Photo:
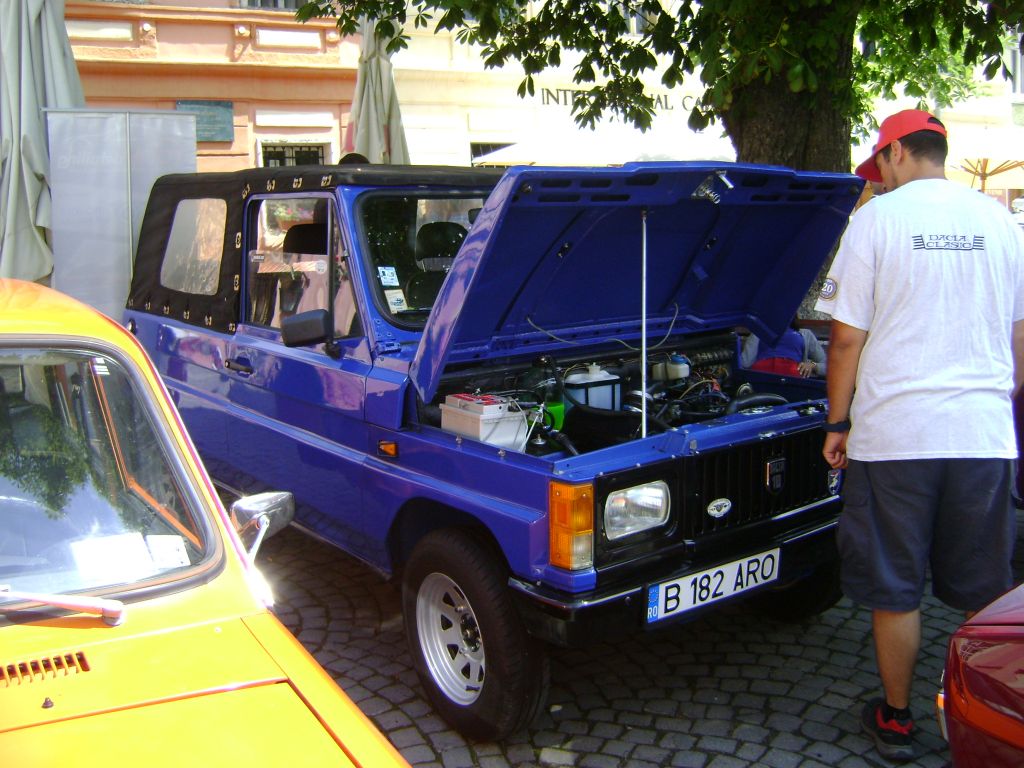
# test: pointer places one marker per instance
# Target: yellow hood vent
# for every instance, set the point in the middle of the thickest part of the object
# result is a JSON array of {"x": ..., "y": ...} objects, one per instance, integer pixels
[{"x": 37, "y": 670}]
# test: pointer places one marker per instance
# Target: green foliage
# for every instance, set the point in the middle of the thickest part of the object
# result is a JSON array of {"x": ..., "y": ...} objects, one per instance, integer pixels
[
  {"x": 52, "y": 470},
  {"x": 928, "y": 51},
  {"x": 925, "y": 48}
]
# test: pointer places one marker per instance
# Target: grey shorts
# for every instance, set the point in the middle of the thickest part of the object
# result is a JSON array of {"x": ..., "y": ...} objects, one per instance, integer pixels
[{"x": 956, "y": 515}]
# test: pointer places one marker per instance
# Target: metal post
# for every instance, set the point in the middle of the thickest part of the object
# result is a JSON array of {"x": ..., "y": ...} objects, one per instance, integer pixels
[{"x": 643, "y": 322}]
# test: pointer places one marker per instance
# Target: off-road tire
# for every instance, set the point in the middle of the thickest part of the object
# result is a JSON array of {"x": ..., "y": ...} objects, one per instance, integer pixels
[{"x": 504, "y": 681}]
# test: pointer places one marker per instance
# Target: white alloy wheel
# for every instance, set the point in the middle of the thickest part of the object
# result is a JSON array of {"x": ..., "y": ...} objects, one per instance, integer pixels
[{"x": 450, "y": 639}]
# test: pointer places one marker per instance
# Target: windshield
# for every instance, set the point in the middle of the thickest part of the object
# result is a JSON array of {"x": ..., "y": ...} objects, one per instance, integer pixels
[
  {"x": 88, "y": 495},
  {"x": 412, "y": 241}
]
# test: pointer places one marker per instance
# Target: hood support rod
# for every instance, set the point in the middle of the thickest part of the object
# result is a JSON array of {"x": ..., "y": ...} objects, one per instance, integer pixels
[{"x": 643, "y": 322}]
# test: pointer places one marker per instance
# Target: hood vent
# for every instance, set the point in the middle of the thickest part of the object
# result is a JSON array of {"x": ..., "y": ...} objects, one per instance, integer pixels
[{"x": 38, "y": 670}]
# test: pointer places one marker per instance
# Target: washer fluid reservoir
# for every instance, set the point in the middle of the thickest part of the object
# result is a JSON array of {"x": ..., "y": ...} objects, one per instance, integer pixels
[{"x": 595, "y": 387}]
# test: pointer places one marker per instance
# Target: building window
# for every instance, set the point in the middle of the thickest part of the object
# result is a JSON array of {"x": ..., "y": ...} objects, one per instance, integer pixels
[
  {"x": 478, "y": 149},
  {"x": 276, "y": 155},
  {"x": 271, "y": 5}
]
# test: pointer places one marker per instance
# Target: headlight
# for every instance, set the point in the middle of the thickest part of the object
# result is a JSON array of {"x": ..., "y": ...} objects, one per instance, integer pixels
[{"x": 636, "y": 509}]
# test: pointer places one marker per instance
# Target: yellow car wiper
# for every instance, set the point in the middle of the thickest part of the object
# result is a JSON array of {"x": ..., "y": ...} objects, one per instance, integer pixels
[{"x": 112, "y": 611}]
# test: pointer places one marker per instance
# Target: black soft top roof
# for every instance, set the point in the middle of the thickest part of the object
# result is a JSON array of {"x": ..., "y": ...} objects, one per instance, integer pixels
[
  {"x": 220, "y": 310},
  {"x": 331, "y": 176}
]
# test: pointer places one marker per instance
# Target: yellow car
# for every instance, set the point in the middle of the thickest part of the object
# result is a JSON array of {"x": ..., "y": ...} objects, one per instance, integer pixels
[{"x": 134, "y": 628}]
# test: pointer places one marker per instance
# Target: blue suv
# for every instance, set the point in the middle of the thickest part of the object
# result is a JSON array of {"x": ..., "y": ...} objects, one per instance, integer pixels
[{"x": 517, "y": 392}]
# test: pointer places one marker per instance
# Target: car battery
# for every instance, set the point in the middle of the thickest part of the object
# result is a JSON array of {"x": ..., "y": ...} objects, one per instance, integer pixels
[{"x": 488, "y": 418}]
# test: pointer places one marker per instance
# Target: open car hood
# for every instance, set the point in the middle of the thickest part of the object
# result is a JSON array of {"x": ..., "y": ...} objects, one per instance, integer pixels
[{"x": 555, "y": 259}]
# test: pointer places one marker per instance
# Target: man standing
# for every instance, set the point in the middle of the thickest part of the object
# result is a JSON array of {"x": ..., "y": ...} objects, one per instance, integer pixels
[{"x": 926, "y": 295}]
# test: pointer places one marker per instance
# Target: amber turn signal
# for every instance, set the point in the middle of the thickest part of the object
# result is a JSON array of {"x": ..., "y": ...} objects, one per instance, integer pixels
[{"x": 571, "y": 523}]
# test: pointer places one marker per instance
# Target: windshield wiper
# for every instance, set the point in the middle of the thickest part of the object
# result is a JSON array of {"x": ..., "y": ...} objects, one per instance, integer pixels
[{"x": 112, "y": 611}]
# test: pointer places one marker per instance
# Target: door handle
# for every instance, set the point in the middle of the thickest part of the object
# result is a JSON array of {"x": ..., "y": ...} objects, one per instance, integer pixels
[{"x": 239, "y": 366}]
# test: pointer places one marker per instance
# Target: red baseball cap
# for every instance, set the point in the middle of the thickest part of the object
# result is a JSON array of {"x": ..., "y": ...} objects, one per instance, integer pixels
[{"x": 893, "y": 128}]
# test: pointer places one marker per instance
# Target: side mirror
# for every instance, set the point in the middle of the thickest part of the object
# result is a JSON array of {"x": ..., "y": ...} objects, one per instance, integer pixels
[
  {"x": 260, "y": 515},
  {"x": 305, "y": 328}
]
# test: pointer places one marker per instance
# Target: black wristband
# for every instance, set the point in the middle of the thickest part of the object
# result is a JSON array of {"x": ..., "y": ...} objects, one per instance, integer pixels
[{"x": 839, "y": 426}]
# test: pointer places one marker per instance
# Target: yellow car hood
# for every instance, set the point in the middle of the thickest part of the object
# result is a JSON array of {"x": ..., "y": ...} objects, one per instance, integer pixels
[{"x": 208, "y": 694}]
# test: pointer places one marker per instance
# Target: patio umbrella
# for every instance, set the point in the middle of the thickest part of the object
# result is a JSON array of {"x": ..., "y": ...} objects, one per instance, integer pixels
[
  {"x": 987, "y": 155},
  {"x": 376, "y": 119},
  {"x": 37, "y": 71},
  {"x": 611, "y": 143}
]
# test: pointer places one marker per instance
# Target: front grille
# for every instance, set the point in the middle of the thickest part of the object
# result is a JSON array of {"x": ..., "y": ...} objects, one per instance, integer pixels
[{"x": 739, "y": 474}]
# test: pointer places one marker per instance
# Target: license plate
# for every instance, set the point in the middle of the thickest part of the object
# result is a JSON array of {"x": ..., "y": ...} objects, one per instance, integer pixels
[{"x": 671, "y": 598}]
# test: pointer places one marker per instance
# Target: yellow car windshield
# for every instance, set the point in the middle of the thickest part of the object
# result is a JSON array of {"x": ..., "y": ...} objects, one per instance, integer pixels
[{"x": 91, "y": 495}]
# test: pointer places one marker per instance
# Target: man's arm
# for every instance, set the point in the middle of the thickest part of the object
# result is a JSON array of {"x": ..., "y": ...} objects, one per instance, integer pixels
[
  {"x": 844, "y": 348},
  {"x": 1017, "y": 342},
  {"x": 813, "y": 351}
]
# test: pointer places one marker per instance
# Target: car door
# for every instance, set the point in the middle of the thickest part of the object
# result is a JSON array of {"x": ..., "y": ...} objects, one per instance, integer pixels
[{"x": 299, "y": 411}]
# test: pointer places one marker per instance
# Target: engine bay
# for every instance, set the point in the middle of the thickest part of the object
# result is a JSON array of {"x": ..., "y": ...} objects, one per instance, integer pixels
[{"x": 573, "y": 404}]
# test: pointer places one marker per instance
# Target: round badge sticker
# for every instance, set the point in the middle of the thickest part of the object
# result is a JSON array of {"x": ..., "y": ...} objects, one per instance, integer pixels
[{"x": 828, "y": 289}]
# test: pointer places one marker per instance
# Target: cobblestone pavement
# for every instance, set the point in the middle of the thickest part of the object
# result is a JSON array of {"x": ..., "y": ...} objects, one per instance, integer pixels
[{"x": 728, "y": 691}]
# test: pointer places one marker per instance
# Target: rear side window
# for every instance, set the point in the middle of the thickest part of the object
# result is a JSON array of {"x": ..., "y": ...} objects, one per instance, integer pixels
[{"x": 193, "y": 256}]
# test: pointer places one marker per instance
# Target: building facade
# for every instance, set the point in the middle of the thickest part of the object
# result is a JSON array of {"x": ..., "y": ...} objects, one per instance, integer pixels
[
  {"x": 264, "y": 88},
  {"x": 268, "y": 90}
]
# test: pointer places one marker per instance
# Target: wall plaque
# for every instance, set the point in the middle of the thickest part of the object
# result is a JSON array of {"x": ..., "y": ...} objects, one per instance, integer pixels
[{"x": 214, "y": 119}]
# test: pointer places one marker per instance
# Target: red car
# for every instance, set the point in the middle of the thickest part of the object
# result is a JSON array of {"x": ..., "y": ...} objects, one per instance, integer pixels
[{"x": 981, "y": 706}]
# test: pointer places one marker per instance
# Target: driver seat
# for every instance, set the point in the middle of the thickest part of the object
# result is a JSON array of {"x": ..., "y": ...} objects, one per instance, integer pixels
[{"x": 437, "y": 242}]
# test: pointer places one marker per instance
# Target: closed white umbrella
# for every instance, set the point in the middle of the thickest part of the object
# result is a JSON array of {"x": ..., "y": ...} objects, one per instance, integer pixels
[
  {"x": 37, "y": 71},
  {"x": 376, "y": 118}
]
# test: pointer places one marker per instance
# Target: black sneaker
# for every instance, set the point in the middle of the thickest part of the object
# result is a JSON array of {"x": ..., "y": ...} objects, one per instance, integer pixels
[{"x": 893, "y": 738}]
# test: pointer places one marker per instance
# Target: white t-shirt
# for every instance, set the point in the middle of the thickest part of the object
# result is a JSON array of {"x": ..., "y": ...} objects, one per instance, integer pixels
[{"x": 934, "y": 272}]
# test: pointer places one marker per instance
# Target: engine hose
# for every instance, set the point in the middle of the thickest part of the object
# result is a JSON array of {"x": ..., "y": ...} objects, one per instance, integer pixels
[
  {"x": 752, "y": 401},
  {"x": 559, "y": 438},
  {"x": 563, "y": 440}
]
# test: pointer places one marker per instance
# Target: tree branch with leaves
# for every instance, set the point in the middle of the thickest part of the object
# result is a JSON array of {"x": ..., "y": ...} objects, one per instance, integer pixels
[{"x": 790, "y": 80}]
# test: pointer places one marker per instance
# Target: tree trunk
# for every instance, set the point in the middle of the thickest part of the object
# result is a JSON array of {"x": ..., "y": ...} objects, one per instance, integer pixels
[
  {"x": 763, "y": 130},
  {"x": 761, "y": 122}
]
